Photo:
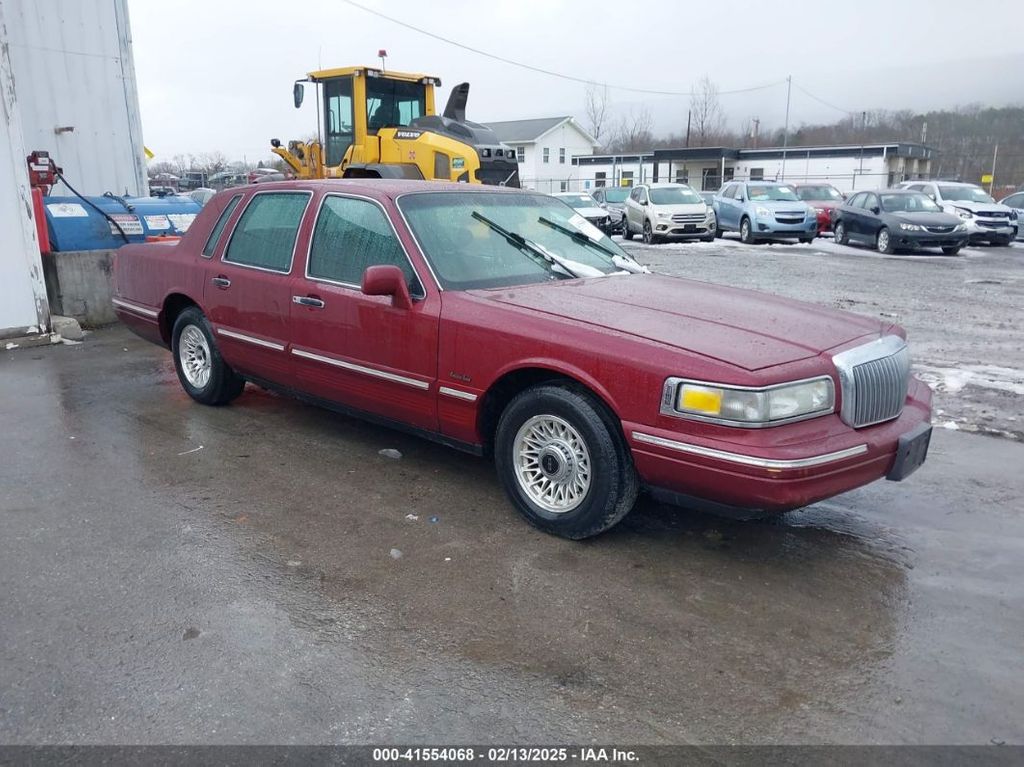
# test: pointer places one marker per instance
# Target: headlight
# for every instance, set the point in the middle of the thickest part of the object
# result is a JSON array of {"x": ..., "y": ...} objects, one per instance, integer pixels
[
  {"x": 710, "y": 216},
  {"x": 911, "y": 227},
  {"x": 750, "y": 407},
  {"x": 762, "y": 212},
  {"x": 960, "y": 228},
  {"x": 664, "y": 215},
  {"x": 963, "y": 213}
]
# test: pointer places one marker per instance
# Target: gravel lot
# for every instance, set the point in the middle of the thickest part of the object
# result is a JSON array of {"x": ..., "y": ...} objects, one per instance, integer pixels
[{"x": 964, "y": 315}]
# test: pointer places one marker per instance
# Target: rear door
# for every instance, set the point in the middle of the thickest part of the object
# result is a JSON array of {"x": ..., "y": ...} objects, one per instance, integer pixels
[
  {"x": 355, "y": 349},
  {"x": 248, "y": 293}
]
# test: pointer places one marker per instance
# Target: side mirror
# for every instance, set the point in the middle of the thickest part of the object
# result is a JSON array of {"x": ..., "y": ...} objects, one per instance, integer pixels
[
  {"x": 298, "y": 91},
  {"x": 387, "y": 280},
  {"x": 874, "y": 209},
  {"x": 643, "y": 202}
]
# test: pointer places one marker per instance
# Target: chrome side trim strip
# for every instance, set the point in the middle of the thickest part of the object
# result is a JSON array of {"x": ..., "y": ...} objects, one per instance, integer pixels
[
  {"x": 413, "y": 382},
  {"x": 750, "y": 460},
  {"x": 134, "y": 307},
  {"x": 251, "y": 340},
  {"x": 457, "y": 394}
]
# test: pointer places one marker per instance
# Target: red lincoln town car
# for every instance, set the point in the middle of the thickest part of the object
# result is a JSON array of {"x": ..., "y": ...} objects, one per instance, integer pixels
[{"x": 500, "y": 322}]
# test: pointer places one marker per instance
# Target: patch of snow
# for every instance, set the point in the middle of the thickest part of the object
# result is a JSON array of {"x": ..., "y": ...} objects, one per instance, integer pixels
[{"x": 952, "y": 380}]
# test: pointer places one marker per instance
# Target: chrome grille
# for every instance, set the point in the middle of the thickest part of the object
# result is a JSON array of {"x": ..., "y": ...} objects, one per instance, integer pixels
[
  {"x": 688, "y": 218},
  {"x": 873, "y": 380}
]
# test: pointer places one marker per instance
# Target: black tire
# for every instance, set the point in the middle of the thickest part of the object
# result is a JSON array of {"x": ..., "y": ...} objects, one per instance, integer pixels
[
  {"x": 223, "y": 383},
  {"x": 1001, "y": 242},
  {"x": 649, "y": 237},
  {"x": 709, "y": 238},
  {"x": 883, "y": 241},
  {"x": 719, "y": 232},
  {"x": 806, "y": 240},
  {"x": 627, "y": 233},
  {"x": 746, "y": 233},
  {"x": 951, "y": 251},
  {"x": 613, "y": 484},
  {"x": 840, "y": 234}
]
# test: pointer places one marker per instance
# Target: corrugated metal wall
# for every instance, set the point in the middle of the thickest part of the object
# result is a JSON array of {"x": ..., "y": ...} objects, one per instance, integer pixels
[
  {"x": 23, "y": 306},
  {"x": 73, "y": 68}
]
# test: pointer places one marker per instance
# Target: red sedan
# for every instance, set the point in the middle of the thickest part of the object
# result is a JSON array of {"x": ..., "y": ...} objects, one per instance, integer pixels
[
  {"x": 824, "y": 198},
  {"x": 500, "y": 322}
]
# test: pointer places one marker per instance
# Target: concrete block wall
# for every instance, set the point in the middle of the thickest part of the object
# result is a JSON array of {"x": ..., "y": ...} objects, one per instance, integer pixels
[{"x": 80, "y": 284}]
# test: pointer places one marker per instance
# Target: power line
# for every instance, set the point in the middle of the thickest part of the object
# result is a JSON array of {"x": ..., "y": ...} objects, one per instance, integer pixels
[
  {"x": 548, "y": 72},
  {"x": 822, "y": 101}
]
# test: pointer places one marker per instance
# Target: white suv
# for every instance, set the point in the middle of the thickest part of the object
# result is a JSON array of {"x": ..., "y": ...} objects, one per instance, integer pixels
[
  {"x": 985, "y": 219},
  {"x": 660, "y": 211}
]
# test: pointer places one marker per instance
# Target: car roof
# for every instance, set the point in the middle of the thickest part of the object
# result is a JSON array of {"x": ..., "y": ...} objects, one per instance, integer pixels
[
  {"x": 570, "y": 194},
  {"x": 381, "y": 187}
]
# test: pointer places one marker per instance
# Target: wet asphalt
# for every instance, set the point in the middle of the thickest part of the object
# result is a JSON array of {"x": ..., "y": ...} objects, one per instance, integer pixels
[{"x": 174, "y": 573}]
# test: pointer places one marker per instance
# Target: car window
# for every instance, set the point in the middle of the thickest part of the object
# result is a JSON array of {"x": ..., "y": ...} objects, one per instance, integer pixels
[
  {"x": 674, "y": 195},
  {"x": 1014, "y": 200},
  {"x": 456, "y": 233},
  {"x": 635, "y": 194},
  {"x": 577, "y": 200},
  {"x": 857, "y": 201},
  {"x": 915, "y": 202},
  {"x": 265, "y": 234},
  {"x": 599, "y": 196},
  {"x": 643, "y": 195},
  {"x": 871, "y": 201},
  {"x": 351, "y": 235},
  {"x": 771, "y": 193},
  {"x": 819, "y": 193},
  {"x": 218, "y": 228},
  {"x": 615, "y": 195}
]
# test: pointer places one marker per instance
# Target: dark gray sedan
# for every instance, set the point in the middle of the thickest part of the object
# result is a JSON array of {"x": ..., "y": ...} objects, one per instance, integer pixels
[{"x": 891, "y": 220}]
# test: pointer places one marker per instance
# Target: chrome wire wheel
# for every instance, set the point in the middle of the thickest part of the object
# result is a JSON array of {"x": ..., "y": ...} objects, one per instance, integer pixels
[
  {"x": 552, "y": 463},
  {"x": 194, "y": 355}
]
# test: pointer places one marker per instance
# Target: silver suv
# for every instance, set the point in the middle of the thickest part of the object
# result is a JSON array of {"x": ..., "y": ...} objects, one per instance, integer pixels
[
  {"x": 660, "y": 211},
  {"x": 986, "y": 220}
]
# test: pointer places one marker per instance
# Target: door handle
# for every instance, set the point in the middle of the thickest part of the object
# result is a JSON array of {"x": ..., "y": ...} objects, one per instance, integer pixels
[
  {"x": 221, "y": 282},
  {"x": 310, "y": 301}
]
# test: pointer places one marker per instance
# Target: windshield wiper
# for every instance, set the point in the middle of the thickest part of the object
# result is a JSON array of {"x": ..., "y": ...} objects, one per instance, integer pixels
[
  {"x": 571, "y": 268},
  {"x": 618, "y": 261}
]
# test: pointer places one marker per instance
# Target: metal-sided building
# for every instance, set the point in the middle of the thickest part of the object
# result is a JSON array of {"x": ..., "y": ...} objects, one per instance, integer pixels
[
  {"x": 848, "y": 168},
  {"x": 67, "y": 81}
]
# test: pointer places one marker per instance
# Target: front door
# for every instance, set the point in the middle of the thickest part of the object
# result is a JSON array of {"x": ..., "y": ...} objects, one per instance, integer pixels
[
  {"x": 359, "y": 350},
  {"x": 248, "y": 292}
]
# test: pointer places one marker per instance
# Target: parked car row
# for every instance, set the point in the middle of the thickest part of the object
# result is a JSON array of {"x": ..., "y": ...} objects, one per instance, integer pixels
[{"x": 914, "y": 215}]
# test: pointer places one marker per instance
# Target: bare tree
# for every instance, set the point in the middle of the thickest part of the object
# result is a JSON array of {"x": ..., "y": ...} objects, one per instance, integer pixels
[
  {"x": 596, "y": 106},
  {"x": 633, "y": 131},
  {"x": 708, "y": 120}
]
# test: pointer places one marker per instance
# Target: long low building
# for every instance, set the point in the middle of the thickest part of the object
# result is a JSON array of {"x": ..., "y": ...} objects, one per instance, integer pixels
[{"x": 848, "y": 168}]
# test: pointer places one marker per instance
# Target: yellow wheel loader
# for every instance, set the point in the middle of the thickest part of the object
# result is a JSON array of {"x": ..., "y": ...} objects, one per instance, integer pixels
[{"x": 379, "y": 124}]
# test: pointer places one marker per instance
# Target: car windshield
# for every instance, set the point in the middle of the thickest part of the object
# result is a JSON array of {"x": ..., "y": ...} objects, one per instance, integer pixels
[
  {"x": 577, "y": 200},
  {"x": 616, "y": 195},
  {"x": 461, "y": 236},
  {"x": 770, "y": 193},
  {"x": 964, "y": 194},
  {"x": 674, "y": 195},
  {"x": 819, "y": 193},
  {"x": 909, "y": 203}
]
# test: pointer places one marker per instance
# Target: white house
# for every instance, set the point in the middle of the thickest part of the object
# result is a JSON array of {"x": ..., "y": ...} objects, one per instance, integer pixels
[
  {"x": 848, "y": 167},
  {"x": 546, "y": 148}
]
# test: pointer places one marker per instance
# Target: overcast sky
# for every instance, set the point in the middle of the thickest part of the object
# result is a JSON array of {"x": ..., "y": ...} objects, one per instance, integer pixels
[{"x": 217, "y": 74}]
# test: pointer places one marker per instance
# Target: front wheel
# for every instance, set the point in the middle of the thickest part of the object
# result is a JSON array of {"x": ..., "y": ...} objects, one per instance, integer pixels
[
  {"x": 649, "y": 237},
  {"x": 884, "y": 241},
  {"x": 627, "y": 233},
  {"x": 806, "y": 240},
  {"x": 746, "y": 235},
  {"x": 840, "y": 234},
  {"x": 563, "y": 461},
  {"x": 203, "y": 373}
]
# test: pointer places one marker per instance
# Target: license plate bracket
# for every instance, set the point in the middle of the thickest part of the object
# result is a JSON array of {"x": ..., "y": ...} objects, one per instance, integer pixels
[{"x": 911, "y": 451}]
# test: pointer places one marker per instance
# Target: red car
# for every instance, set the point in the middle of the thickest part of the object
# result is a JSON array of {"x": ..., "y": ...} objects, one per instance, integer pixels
[
  {"x": 500, "y": 322},
  {"x": 824, "y": 198}
]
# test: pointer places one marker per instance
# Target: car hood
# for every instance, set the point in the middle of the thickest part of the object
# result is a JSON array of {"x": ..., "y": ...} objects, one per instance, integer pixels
[
  {"x": 978, "y": 207},
  {"x": 744, "y": 328},
  {"x": 926, "y": 218},
  {"x": 594, "y": 212},
  {"x": 691, "y": 208}
]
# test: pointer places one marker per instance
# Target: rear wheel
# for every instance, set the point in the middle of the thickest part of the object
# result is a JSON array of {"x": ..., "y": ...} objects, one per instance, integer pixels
[
  {"x": 203, "y": 373},
  {"x": 883, "y": 243},
  {"x": 841, "y": 236},
  {"x": 563, "y": 462},
  {"x": 746, "y": 235},
  {"x": 951, "y": 251}
]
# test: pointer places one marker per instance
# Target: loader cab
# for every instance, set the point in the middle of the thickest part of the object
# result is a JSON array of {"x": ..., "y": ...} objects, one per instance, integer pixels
[{"x": 358, "y": 101}]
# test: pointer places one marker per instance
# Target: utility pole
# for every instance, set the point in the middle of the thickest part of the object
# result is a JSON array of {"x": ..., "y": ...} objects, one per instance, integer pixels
[
  {"x": 689, "y": 112},
  {"x": 785, "y": 131},
  {"x": 757, "y": 129},
  {"x": 992, "y": 178}
]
